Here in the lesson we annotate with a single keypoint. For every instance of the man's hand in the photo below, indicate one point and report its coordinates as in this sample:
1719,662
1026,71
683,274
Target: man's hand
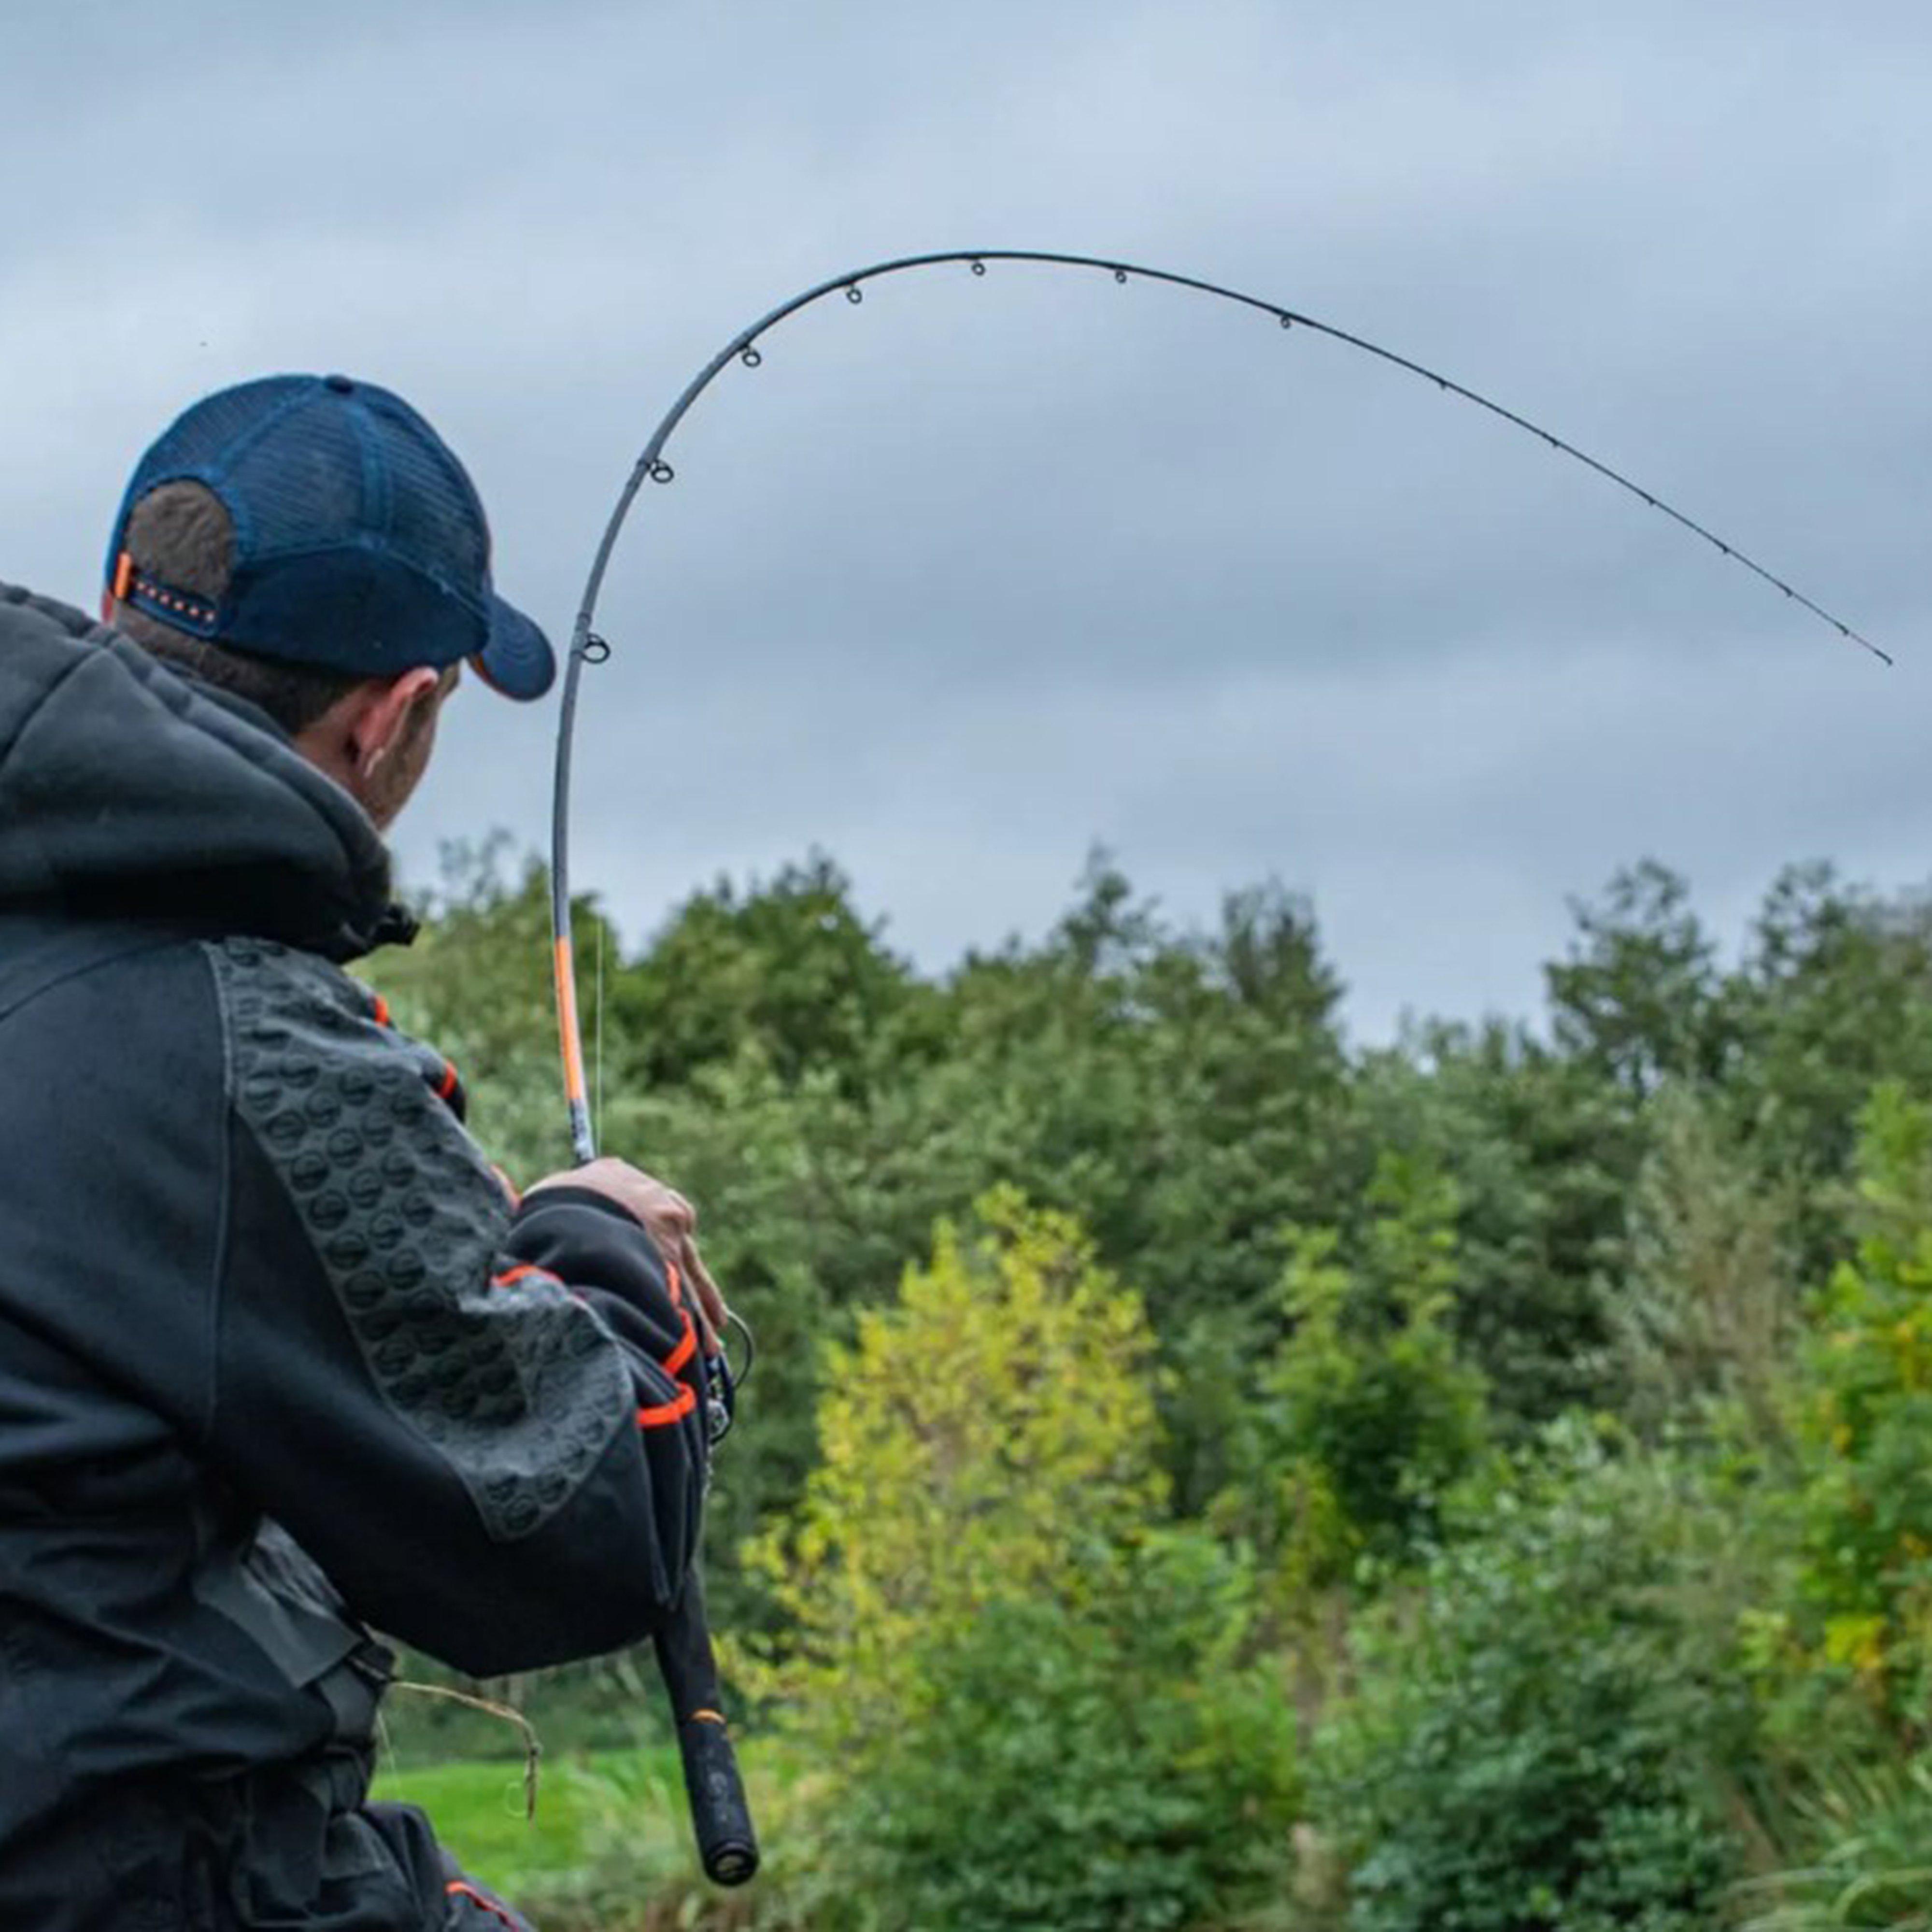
666,1217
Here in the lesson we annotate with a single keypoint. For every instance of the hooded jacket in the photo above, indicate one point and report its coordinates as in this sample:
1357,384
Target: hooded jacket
279,1360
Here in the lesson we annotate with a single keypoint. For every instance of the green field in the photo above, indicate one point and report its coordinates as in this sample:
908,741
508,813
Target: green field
584,1802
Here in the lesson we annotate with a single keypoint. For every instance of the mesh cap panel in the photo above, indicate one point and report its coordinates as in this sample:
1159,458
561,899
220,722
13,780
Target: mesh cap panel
360,543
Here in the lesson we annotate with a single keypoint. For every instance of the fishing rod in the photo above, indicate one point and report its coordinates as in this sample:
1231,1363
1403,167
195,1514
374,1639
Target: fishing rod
719,1815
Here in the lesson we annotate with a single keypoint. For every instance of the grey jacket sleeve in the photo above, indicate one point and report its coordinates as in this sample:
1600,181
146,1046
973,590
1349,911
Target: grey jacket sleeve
482,1422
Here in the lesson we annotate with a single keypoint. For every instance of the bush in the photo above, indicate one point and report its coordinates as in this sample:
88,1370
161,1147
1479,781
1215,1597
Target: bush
1001,1416
1858,1622
1114,1769
1027,1699
1530,1742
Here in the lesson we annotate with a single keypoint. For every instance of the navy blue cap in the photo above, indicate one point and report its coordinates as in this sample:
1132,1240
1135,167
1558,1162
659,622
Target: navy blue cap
360,545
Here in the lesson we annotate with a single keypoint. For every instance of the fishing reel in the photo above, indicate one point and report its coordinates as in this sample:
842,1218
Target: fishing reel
722,1382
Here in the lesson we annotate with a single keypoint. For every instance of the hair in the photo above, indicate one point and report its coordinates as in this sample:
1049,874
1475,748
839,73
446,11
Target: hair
181,533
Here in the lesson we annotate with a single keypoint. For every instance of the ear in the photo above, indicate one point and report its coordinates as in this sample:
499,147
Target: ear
375,724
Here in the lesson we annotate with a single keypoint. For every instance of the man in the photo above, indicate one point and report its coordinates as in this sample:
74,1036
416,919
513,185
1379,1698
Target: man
280,1359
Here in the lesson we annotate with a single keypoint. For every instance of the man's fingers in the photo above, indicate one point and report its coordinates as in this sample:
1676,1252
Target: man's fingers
711,1313
670,1219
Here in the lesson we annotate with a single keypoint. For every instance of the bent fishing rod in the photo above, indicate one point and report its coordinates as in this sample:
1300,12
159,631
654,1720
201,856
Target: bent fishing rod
720,1816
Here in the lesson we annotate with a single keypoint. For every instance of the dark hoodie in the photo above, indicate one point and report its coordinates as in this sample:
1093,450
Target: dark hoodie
278,1359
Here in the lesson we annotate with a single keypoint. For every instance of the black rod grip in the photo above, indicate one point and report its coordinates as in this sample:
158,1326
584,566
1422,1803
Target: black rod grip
720,1818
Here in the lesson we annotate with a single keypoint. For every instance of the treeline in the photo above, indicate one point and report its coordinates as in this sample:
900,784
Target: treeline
1198,1473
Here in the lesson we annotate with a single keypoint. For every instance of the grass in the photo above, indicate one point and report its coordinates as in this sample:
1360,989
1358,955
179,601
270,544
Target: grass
477,1808
611,1847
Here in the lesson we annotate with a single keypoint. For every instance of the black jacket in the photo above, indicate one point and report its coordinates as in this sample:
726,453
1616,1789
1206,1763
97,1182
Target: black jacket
278,1360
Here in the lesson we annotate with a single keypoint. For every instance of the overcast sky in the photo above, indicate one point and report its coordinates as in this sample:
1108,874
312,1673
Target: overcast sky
982,572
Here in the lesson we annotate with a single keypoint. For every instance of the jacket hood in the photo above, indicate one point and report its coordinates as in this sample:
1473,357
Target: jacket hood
129,791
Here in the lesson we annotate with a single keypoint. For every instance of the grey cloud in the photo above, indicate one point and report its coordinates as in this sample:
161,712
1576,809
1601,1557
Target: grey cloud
963,579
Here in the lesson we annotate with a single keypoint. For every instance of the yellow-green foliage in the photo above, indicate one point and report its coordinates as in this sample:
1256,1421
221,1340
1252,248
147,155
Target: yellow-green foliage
979,1434
1863,1610
1032,1702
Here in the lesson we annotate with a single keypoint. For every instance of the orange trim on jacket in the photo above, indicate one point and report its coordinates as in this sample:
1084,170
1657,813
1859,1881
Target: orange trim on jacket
668,1412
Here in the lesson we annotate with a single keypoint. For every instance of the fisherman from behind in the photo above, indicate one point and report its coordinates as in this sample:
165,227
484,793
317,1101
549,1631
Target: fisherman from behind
282,1363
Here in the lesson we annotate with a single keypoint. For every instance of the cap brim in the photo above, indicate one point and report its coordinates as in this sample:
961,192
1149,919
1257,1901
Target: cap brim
517,661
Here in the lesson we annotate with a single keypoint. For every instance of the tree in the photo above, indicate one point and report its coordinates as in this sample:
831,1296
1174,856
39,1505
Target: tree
1860,1612
1366,1415
1542,1149
786,968
1834,996
975,1439
1708,1308
1639,996
998,1652
1186,1094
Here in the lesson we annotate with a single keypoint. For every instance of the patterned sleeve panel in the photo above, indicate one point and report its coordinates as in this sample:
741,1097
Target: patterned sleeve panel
456,1365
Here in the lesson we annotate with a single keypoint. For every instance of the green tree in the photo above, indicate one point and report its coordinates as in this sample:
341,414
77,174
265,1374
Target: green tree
1031,1702
1707,1310
788,968
1859,1616
1640,996
1835,996
1542,1148
1540,1741
1366,1415
974,1438
1184,1093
